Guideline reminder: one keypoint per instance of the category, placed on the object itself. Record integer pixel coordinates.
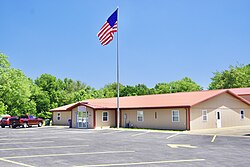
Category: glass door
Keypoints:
(82, 119)
(85, 119)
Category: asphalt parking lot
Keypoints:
(61, 146)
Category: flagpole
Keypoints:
(117, 73)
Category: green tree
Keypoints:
(49, 85)
(2, 108)
(234, 77)
(142, 89)
(15, 90)
(55, 92)
(110, 90)
(47, 82)
(42, 100)
(20, 95)
(128, 91)
(162, 88)
(184, 85)
(4, 63)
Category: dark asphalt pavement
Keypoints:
(61, 146)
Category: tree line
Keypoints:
(22, 95)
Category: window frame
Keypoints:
(178, 116)
(242, 118)
(140, 114)
(204, 115)
(105, 116)
(58, 116)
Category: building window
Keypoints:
(155, 115)
(204, 115)
(105, 116)
(58, 116)
(175, 116)
(140, 116)
(242, 114)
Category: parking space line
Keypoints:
(33, 148)
(145, 163)
(67, 154)
(27, 142)
(78, 132)
(138, 134)
(14, 162)
(111, 132)
(172, 135)
(213, 139)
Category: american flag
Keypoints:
(106, 33)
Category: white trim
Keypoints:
(241, 115)
(107, 116)
(178, 115)
(138, 114)
(202, 115)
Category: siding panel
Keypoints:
(230, 112)
(163, 120)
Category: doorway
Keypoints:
(218, 119)
(125, 120)
(82, 119)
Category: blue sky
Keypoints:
(159, 40)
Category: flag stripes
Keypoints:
(106, 33)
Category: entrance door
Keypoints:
(218, 119)
(125, 120)
(82, 119)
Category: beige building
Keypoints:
(180, 111)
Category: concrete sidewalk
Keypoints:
(239, 131)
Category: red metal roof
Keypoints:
(241, 91)
(181, 99)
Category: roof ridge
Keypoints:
(155, 100)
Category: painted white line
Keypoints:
(145, 163)
(172, 135)
(76, 132)
(111, 132)
(33, 148)
(14, 162)
(27, 142)
(181, 145)
(67, 154)
(213, 139)
(139, 134)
